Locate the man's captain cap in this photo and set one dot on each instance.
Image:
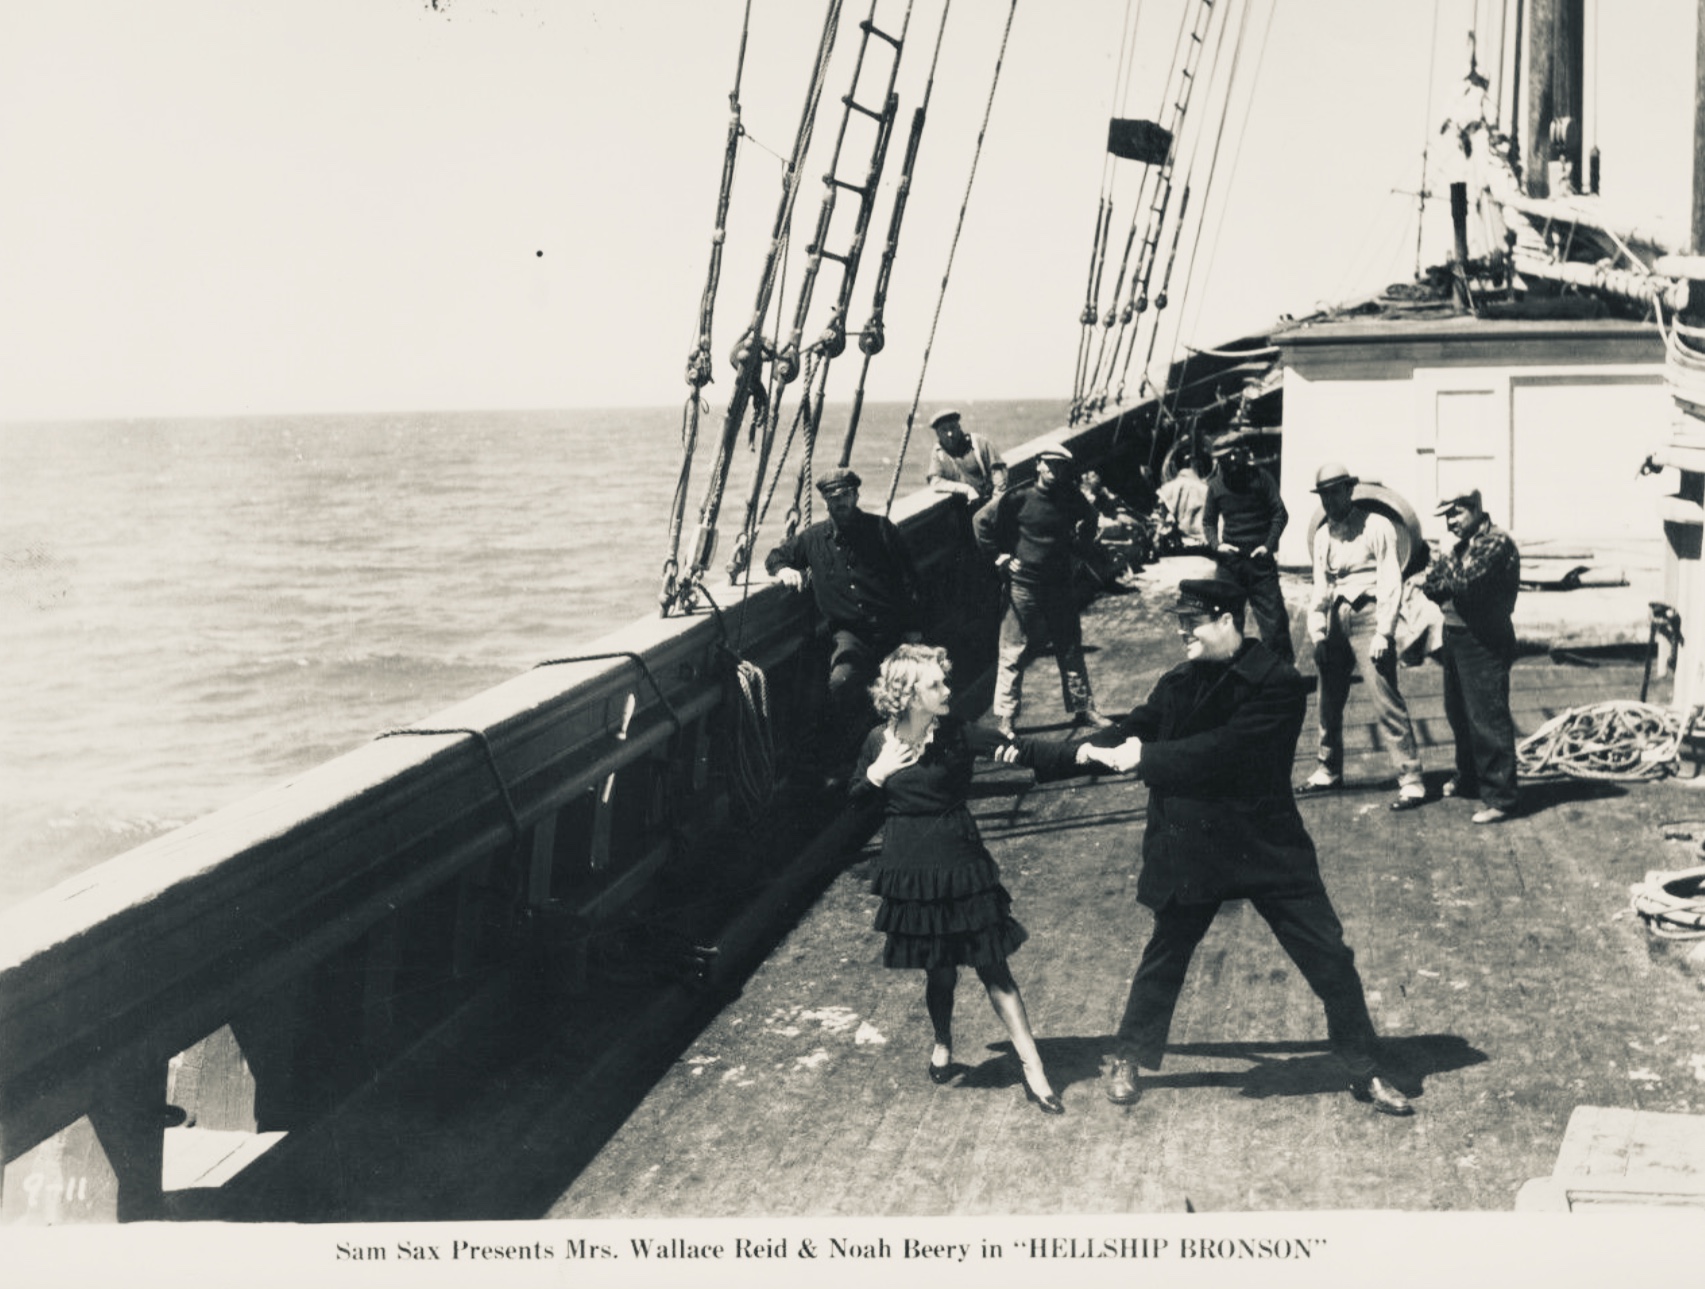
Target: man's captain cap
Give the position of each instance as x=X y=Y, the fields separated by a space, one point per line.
x=1210 y=595
x=945 y=416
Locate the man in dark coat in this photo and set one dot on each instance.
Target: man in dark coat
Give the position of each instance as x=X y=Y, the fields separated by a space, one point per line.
x=866 y=588
x=1215 y=742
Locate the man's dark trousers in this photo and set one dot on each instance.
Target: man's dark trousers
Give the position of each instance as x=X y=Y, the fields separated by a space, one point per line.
x=855 y=659
x=1259 y=579
x=1477 y=704
x=1308 y=929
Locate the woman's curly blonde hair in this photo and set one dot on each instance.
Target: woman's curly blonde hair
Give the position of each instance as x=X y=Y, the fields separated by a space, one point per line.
x=893 y=690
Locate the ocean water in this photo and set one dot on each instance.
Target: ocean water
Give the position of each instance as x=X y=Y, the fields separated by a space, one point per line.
x=193 y=609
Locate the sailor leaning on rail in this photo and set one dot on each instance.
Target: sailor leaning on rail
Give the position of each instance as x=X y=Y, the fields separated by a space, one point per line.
x=1215 y=742
x=866 y=588
x=963 y=461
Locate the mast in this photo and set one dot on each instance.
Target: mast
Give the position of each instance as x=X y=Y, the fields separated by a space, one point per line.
x=1550 y=117
x=1697 y=239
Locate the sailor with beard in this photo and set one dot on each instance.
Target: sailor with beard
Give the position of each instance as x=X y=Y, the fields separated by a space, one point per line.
x=1215 y=742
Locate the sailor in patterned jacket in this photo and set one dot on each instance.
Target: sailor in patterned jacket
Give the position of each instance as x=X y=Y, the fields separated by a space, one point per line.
x=1475 y=583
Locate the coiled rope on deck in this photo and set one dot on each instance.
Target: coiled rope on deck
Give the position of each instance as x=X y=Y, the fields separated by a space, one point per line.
x=1616 y=740
x=1672 y=904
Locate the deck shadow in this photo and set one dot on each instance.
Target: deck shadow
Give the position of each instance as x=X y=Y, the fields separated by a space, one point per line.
x=1069 y=1061
x=1547 y=794
x=1308 y=1068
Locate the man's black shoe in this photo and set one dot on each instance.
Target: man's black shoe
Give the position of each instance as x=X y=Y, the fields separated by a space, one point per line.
x=1382 y=1096
x=1122 y=1086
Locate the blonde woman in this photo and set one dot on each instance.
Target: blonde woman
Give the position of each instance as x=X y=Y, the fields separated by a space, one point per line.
x=943 y=905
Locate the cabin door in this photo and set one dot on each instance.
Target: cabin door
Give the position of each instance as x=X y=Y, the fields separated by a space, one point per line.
x=1471 y=450
x=1577 y=447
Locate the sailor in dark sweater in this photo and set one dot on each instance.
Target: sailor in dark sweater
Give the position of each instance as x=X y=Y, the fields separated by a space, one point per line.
x=1242 y=519
x=1031 y=539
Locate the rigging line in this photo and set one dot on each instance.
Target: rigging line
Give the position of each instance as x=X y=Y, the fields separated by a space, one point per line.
x=874 y=337
x=958 y=228
x=1177 y=230
x=752 y=357
x=1185 y=65
x=1236 y=157
x=1190 y=54
x=1190 y=276
x=699 y=361
x=1178 y=224
x=1124 y=70
x=1426 y=141
x=1082 y=400
x=831 y=180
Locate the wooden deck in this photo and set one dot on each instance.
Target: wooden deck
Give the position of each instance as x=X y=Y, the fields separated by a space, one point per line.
x=1502 y=966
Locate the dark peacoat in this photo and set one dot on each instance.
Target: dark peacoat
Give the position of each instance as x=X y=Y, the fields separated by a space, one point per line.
x=1219 y=740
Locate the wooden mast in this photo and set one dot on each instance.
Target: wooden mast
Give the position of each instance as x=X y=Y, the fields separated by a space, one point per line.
x=1697 y=240
x=1551 y=48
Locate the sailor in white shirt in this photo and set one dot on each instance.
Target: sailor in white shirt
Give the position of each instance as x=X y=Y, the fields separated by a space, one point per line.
x=1352 y=622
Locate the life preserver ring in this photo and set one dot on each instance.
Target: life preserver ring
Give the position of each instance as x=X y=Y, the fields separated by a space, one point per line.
x=1412 y=550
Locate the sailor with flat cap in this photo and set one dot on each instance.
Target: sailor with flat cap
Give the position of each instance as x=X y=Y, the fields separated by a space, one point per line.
x=1476 y=582
x=1031 y=537
x=1352 y=622
x=866 y=588
x=1215 y=742
x=963 y=461
x=1242 y=520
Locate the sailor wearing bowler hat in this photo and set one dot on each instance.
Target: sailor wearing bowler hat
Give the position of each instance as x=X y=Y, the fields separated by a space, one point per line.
x=1215 y=742
x=866 y=588
x=1352 y=622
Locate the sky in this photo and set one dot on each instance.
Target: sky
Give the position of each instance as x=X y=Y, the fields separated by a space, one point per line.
x=224 y=207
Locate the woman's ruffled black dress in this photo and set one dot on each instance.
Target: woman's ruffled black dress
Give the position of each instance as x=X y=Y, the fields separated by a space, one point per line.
x=943 y=904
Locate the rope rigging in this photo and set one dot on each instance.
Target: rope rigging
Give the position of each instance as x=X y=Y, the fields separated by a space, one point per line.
x=832 y=342
x=765 y=367
x=751 y=353
x=947 y=271
x=1162 y=299
x=699 y=361
x=1154 y=155
x=1190 y=276
x=1159 y=147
